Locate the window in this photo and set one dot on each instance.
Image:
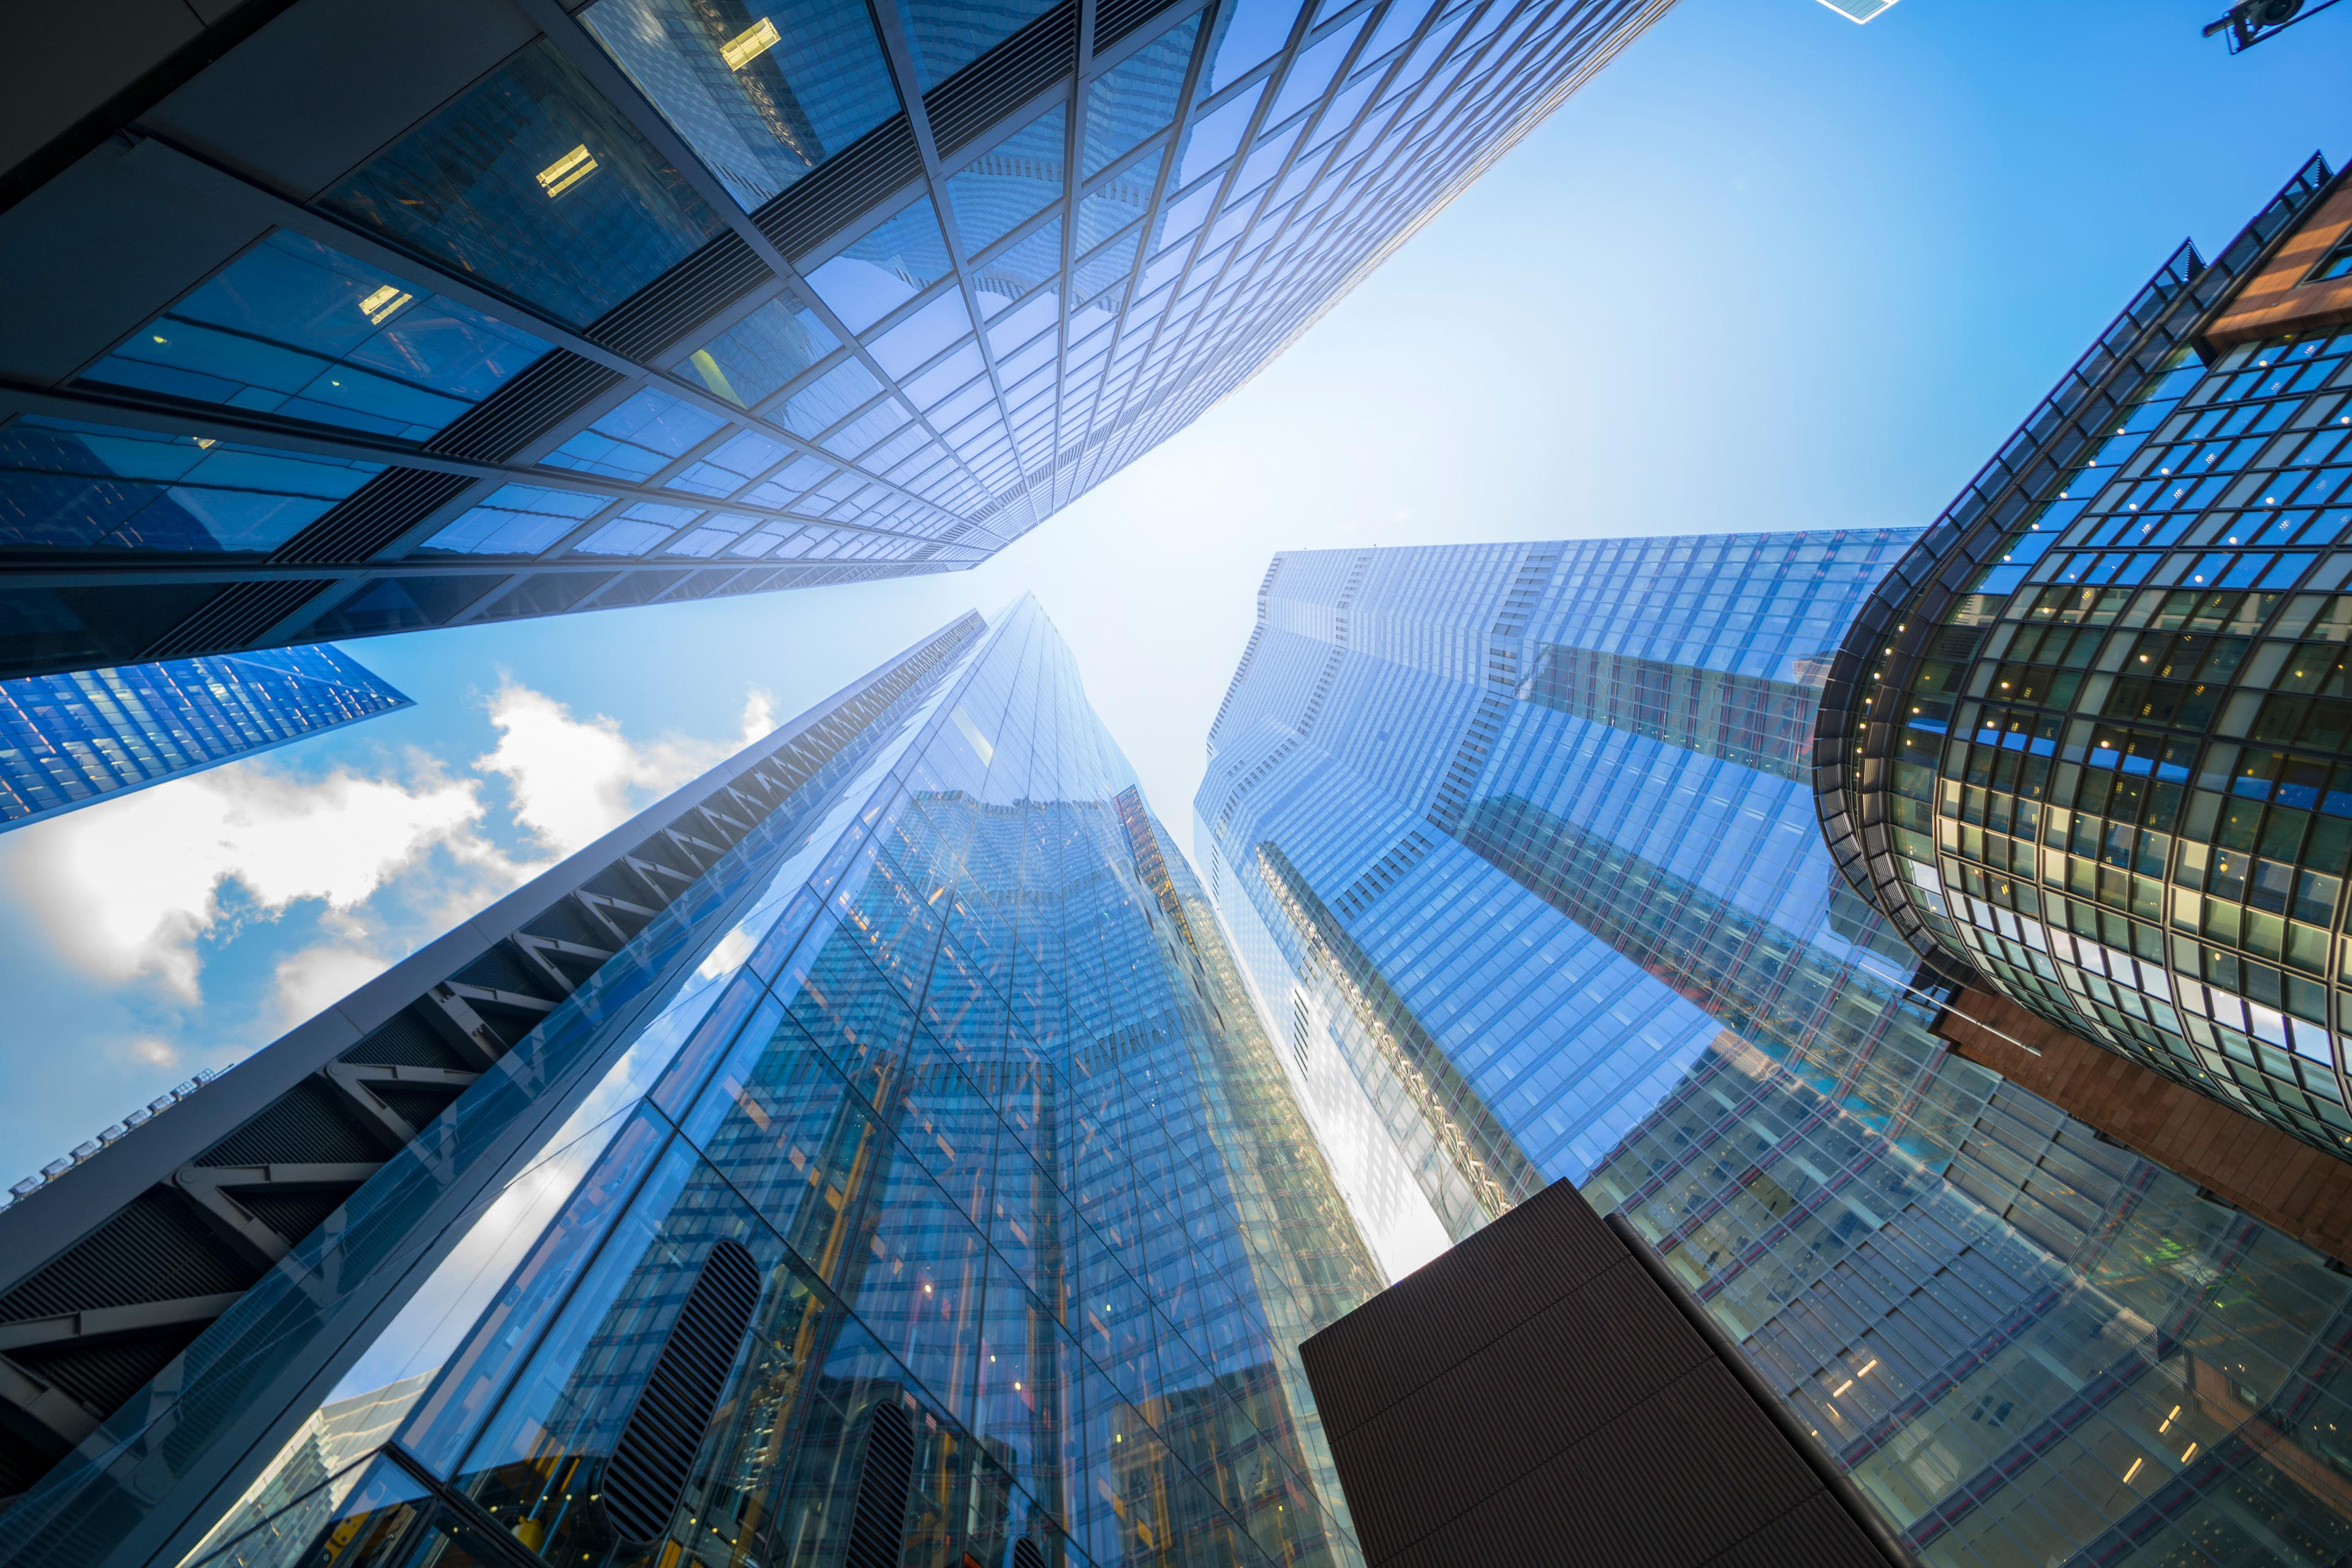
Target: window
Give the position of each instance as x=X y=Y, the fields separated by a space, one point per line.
x=73 y=486
x=294 y=327
x=2337 y=263
x=534 y=184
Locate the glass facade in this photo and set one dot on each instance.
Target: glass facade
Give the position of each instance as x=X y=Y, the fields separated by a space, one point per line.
x=1519 y=843
x=936 y=1196
x=698 y=284
x=2113 y=770
x=68 y=739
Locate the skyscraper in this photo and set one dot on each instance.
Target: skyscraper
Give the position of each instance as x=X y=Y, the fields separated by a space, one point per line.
x=68 y=739
x=920 y=1181
x=1519 y=843
x=2090 y=745
x=326 y=322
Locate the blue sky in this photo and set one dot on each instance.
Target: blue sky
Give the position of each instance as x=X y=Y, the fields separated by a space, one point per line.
x=1768 y=270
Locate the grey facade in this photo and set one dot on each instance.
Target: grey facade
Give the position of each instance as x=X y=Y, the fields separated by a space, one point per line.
x=334 y=320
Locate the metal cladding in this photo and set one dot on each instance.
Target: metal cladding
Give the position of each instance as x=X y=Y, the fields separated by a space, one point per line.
x=1535 y=1396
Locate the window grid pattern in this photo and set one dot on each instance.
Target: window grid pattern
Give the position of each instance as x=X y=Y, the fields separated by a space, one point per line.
x=67 y=740
x=1636 y=965
x=2121 y=784
x=1062 y=291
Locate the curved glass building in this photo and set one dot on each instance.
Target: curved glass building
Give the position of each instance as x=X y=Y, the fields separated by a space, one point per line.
x=1518 y=845
x=2090 y=744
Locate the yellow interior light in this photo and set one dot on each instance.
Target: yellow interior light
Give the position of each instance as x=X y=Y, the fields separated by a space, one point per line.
x=567 y=171
x=750 y=44
x=379 y=306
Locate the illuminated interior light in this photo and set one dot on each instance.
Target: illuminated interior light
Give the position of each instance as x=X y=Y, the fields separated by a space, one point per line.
x=567 y=171
x=2189 y=1452
x=750 y=44
x=379 y=306
x=207 y=442
x=2136 y=1464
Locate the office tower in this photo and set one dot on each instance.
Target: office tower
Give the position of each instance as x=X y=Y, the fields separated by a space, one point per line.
x=68 y=739
x=1519 y=842
x=2087 y=745
x=920 y=1180
x=328 y=322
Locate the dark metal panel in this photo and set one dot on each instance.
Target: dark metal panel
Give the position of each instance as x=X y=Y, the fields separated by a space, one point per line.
x=1539 y=1396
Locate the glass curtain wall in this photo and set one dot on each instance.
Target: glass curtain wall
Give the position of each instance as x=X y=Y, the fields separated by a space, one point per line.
x=956 y=1210
x=1522 y=839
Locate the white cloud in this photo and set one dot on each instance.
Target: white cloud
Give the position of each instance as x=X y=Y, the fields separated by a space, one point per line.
x=574 y=780
x=126 y=887
x=314 y=979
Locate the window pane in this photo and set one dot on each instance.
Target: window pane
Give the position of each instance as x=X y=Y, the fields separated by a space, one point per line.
x=293 y=328
x=948 y=35
x=517 y=520
x=534 y=184
x=638 y=529
x=637 y=440
x=884 y=270
x=1139 y=96
x=763 y=92
x=1118 y=203
x=1247 y=32
x=1011 y=181
x=1029 y=262
x=765 y=350
x=72 y=486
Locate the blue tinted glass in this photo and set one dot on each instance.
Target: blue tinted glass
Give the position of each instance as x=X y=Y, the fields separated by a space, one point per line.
x=637 y=440
x=1312 y=71
x=1014 y=180
x=1019 y=267
x=830 y=397
x=1211 y=138
x=1245 y=34
x=74 y=486
x=948 y=35
x=893 y=263
x=1121 y=200
x=535 y=184
x=637 y=530
x=517 y=520
x=293 y=328
x=1109 y=266
x=927 y=332
x=1138 y=97
x=731 y=467
x=763 y=92
x=760 y=353
x=69 y=739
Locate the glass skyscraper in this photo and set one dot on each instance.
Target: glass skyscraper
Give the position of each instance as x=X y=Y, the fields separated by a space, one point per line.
x=2091 y=745
x=1518 y=846
x=661 y=300
x=921 y=1186
x=68 y=739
